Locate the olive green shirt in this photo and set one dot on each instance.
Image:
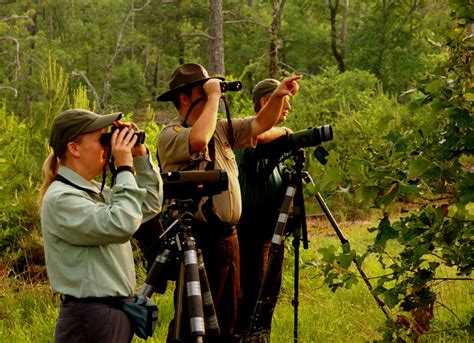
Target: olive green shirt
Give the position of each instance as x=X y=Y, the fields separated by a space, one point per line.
x=174 y=155
x=87 y=233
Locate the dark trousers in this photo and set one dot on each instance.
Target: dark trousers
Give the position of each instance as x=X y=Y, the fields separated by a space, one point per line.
x=92 y=322
x=221 y=260
x=254 y=255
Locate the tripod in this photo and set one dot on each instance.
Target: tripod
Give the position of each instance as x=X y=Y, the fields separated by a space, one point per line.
x=294 y=193
x=192 y=285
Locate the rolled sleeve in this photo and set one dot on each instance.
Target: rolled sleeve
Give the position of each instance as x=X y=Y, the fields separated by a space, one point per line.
x=173 y=148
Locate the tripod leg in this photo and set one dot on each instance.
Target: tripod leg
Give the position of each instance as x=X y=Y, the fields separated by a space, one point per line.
x=156 y=279
x=178 y=313
x=193 y=288
x=277 y=243
x=346 y=248
x=295 y=301
x=300 y=233
x=210 y=317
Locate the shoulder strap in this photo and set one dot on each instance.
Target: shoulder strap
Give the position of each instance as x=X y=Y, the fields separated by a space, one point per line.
x=67 y=182
x=93 y=195
x=212 y=154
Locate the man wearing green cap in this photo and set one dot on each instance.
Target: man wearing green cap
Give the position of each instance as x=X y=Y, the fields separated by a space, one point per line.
x=198 y=140
x=87 y=230
x=262 y=187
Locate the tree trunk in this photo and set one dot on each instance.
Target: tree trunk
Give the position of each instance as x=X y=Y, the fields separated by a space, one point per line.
x=132 y=31
x=155 y=70
x=382 y=41
x=338 y=53
x=345 y=10
x=216 y=45
x=145 y=65
x=277 y=9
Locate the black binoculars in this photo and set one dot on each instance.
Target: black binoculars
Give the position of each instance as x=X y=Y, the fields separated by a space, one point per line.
x=230 y=86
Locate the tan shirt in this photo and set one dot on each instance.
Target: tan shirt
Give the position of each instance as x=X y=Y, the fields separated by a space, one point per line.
x=174 y=155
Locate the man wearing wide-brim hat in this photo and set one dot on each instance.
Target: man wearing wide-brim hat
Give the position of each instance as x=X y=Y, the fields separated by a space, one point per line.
x=198 y=140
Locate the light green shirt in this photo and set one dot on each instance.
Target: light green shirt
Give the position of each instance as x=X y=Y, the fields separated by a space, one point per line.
x=87 y=239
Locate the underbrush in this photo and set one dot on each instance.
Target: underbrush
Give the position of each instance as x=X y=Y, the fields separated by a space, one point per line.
x=28 y=310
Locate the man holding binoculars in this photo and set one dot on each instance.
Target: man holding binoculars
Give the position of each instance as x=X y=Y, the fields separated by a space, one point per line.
x=197 y=140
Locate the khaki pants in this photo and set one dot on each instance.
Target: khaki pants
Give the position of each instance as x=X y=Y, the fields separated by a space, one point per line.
x=254 y=255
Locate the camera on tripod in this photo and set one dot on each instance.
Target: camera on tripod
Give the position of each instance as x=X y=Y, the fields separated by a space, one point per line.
x=310 y=137
x=295 y=141
x=193 y=184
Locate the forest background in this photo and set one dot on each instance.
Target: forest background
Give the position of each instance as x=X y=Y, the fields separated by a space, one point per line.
x=392 y=78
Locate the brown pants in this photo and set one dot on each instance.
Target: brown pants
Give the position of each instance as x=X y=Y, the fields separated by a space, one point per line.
x=254 y=255
x=221 y=260
x=92 y=322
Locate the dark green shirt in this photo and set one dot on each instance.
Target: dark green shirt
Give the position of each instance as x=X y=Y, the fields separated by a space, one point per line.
x=262 y=188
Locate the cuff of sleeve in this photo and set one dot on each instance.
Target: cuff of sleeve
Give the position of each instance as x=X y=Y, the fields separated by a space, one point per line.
x=141 y=162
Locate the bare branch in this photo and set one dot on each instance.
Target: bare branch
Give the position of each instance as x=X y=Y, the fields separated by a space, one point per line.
x=10 y=88
x=118 y=48
x=141 y=8
x=14 y=17
x=91 y=87
x=17 y=56
x=190 y=35
x=247 y=21
x=283 y=64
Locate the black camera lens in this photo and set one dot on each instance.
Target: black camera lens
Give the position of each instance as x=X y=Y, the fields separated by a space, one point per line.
x=311 y=137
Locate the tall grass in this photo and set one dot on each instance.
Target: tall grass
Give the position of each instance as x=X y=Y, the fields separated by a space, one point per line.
x=28 y=311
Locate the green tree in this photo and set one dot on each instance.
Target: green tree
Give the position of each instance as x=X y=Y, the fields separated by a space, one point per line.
x=428 y=161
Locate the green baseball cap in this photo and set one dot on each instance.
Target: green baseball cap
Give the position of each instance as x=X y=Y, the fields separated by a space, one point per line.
x=262 y=88
x=72 y=123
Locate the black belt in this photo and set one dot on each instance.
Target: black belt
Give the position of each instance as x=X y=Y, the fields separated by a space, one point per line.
x=111 y=301
x=218 y=227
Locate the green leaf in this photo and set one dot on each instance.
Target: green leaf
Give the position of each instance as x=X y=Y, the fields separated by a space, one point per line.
x=328 y=254
x=389 y=196
x=345 y=260
x=391 y=298
x=410 y=190
x=469 y=97
x=385 y=232
x=350 y=280
x=418 y=166
x=434 y=87
x=368 y=193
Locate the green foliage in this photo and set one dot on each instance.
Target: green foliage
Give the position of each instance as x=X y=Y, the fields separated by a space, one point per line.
x=395 y=50
x=114 y=46
x=384 y=152
x=430 y=165
x=25 y=146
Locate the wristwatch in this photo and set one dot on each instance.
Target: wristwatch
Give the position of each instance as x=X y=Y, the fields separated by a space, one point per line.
x=125 y=168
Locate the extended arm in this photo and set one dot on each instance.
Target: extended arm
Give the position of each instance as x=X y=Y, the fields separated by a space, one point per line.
x=272 y=134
